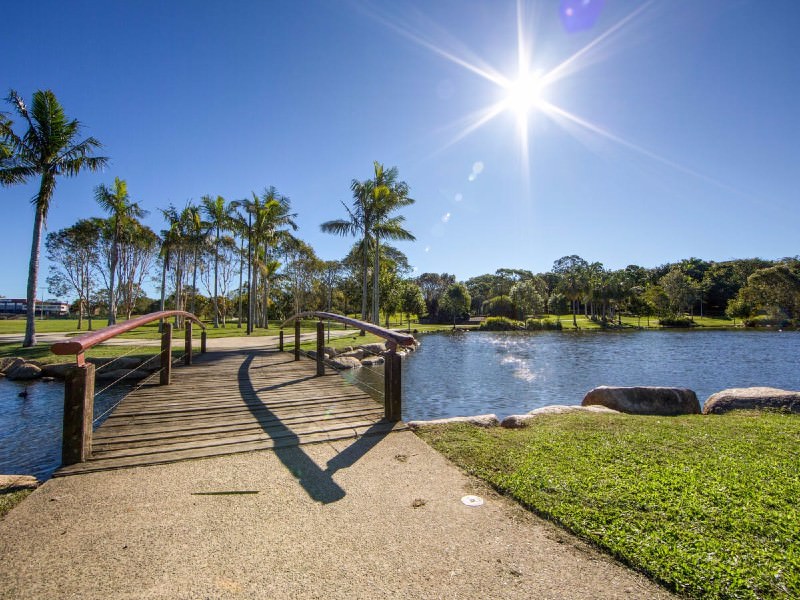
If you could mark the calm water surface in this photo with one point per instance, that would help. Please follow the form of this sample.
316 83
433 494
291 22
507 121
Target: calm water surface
30 428
473 373
511 373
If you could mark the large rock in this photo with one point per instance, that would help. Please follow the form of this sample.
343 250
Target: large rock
371 361
752 398
357 353
375 348
59 371
10 362
519 421
643 400
121 374
489 420
24 372
11 483
346 362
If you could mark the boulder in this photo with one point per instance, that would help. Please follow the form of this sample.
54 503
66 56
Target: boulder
357 353
24 372
346 362
11 483
489 420
122 374
371 361
375 348
58 371
752 398
329 351
519 421
644 400
10 362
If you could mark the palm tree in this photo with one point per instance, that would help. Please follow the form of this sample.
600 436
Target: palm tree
117 202
359 222
49 148
389 195
219 216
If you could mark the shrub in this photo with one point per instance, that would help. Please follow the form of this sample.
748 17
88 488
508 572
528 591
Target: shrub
501 324
767 321
676 322
542 324
500 306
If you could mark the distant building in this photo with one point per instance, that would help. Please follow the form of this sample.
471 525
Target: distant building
19 306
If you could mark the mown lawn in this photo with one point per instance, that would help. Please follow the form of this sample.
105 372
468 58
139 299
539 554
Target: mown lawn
707 505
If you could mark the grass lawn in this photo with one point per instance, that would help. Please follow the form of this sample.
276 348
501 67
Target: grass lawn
9 500
707 505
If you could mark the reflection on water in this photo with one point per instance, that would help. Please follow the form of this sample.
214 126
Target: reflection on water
30 426
510 373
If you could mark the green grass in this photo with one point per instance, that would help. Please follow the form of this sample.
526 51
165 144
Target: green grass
707 505
9 500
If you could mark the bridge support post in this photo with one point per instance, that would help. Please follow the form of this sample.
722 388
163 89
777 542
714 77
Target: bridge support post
166 354
320 348
280 341
76 445
392 386
187 358
203 338
297 339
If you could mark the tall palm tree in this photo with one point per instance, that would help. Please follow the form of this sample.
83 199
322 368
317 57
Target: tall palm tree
388 195
117 202
220 216
359 222
49 147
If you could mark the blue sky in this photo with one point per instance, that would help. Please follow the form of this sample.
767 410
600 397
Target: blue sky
673 132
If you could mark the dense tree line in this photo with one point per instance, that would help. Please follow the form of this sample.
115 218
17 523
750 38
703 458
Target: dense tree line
749 289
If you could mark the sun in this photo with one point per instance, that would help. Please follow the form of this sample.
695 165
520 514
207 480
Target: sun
525 94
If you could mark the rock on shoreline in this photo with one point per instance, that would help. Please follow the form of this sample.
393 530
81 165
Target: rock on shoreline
752 398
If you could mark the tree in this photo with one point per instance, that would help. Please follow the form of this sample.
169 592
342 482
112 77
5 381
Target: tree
455 302
527 296
411 300
374 203
117 202
775 290
433 286
680 290
73 257
573 281
49 148
220 216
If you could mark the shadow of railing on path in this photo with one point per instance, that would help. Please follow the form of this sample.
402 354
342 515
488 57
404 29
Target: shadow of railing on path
317 483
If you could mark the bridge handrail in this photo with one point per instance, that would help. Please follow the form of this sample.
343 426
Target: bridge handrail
80 344
401 339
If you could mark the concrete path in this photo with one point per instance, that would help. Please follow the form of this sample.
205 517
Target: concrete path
256 526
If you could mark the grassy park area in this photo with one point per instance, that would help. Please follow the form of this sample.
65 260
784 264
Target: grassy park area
704 504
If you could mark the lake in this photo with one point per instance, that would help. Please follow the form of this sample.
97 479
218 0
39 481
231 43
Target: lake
512 373
475 373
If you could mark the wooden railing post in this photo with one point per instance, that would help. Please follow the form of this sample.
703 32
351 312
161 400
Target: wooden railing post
187 358
392 386
166 354
297 339
76 445
203 338
320 348
280 341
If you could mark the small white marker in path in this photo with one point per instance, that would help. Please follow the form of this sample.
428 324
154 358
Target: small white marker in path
472 500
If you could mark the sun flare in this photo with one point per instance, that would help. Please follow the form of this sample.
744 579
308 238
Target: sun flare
525 94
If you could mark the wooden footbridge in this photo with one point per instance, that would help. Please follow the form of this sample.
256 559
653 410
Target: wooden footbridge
225 402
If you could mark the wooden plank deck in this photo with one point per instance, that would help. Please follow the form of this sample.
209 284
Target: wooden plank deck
229 402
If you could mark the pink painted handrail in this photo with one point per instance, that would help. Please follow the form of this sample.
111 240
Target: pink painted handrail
80 344
401 339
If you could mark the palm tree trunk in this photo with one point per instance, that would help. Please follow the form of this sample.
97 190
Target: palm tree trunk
194 283
364 278
376 271
33 269
112 312
241 273
216 272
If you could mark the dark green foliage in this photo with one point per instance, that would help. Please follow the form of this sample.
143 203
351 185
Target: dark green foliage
500 306
501 324
672 321
542 324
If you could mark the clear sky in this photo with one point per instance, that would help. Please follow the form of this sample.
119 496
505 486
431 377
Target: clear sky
663 130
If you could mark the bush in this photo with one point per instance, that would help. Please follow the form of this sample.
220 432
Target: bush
500 306
501 324
542 324
676 322
767 321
